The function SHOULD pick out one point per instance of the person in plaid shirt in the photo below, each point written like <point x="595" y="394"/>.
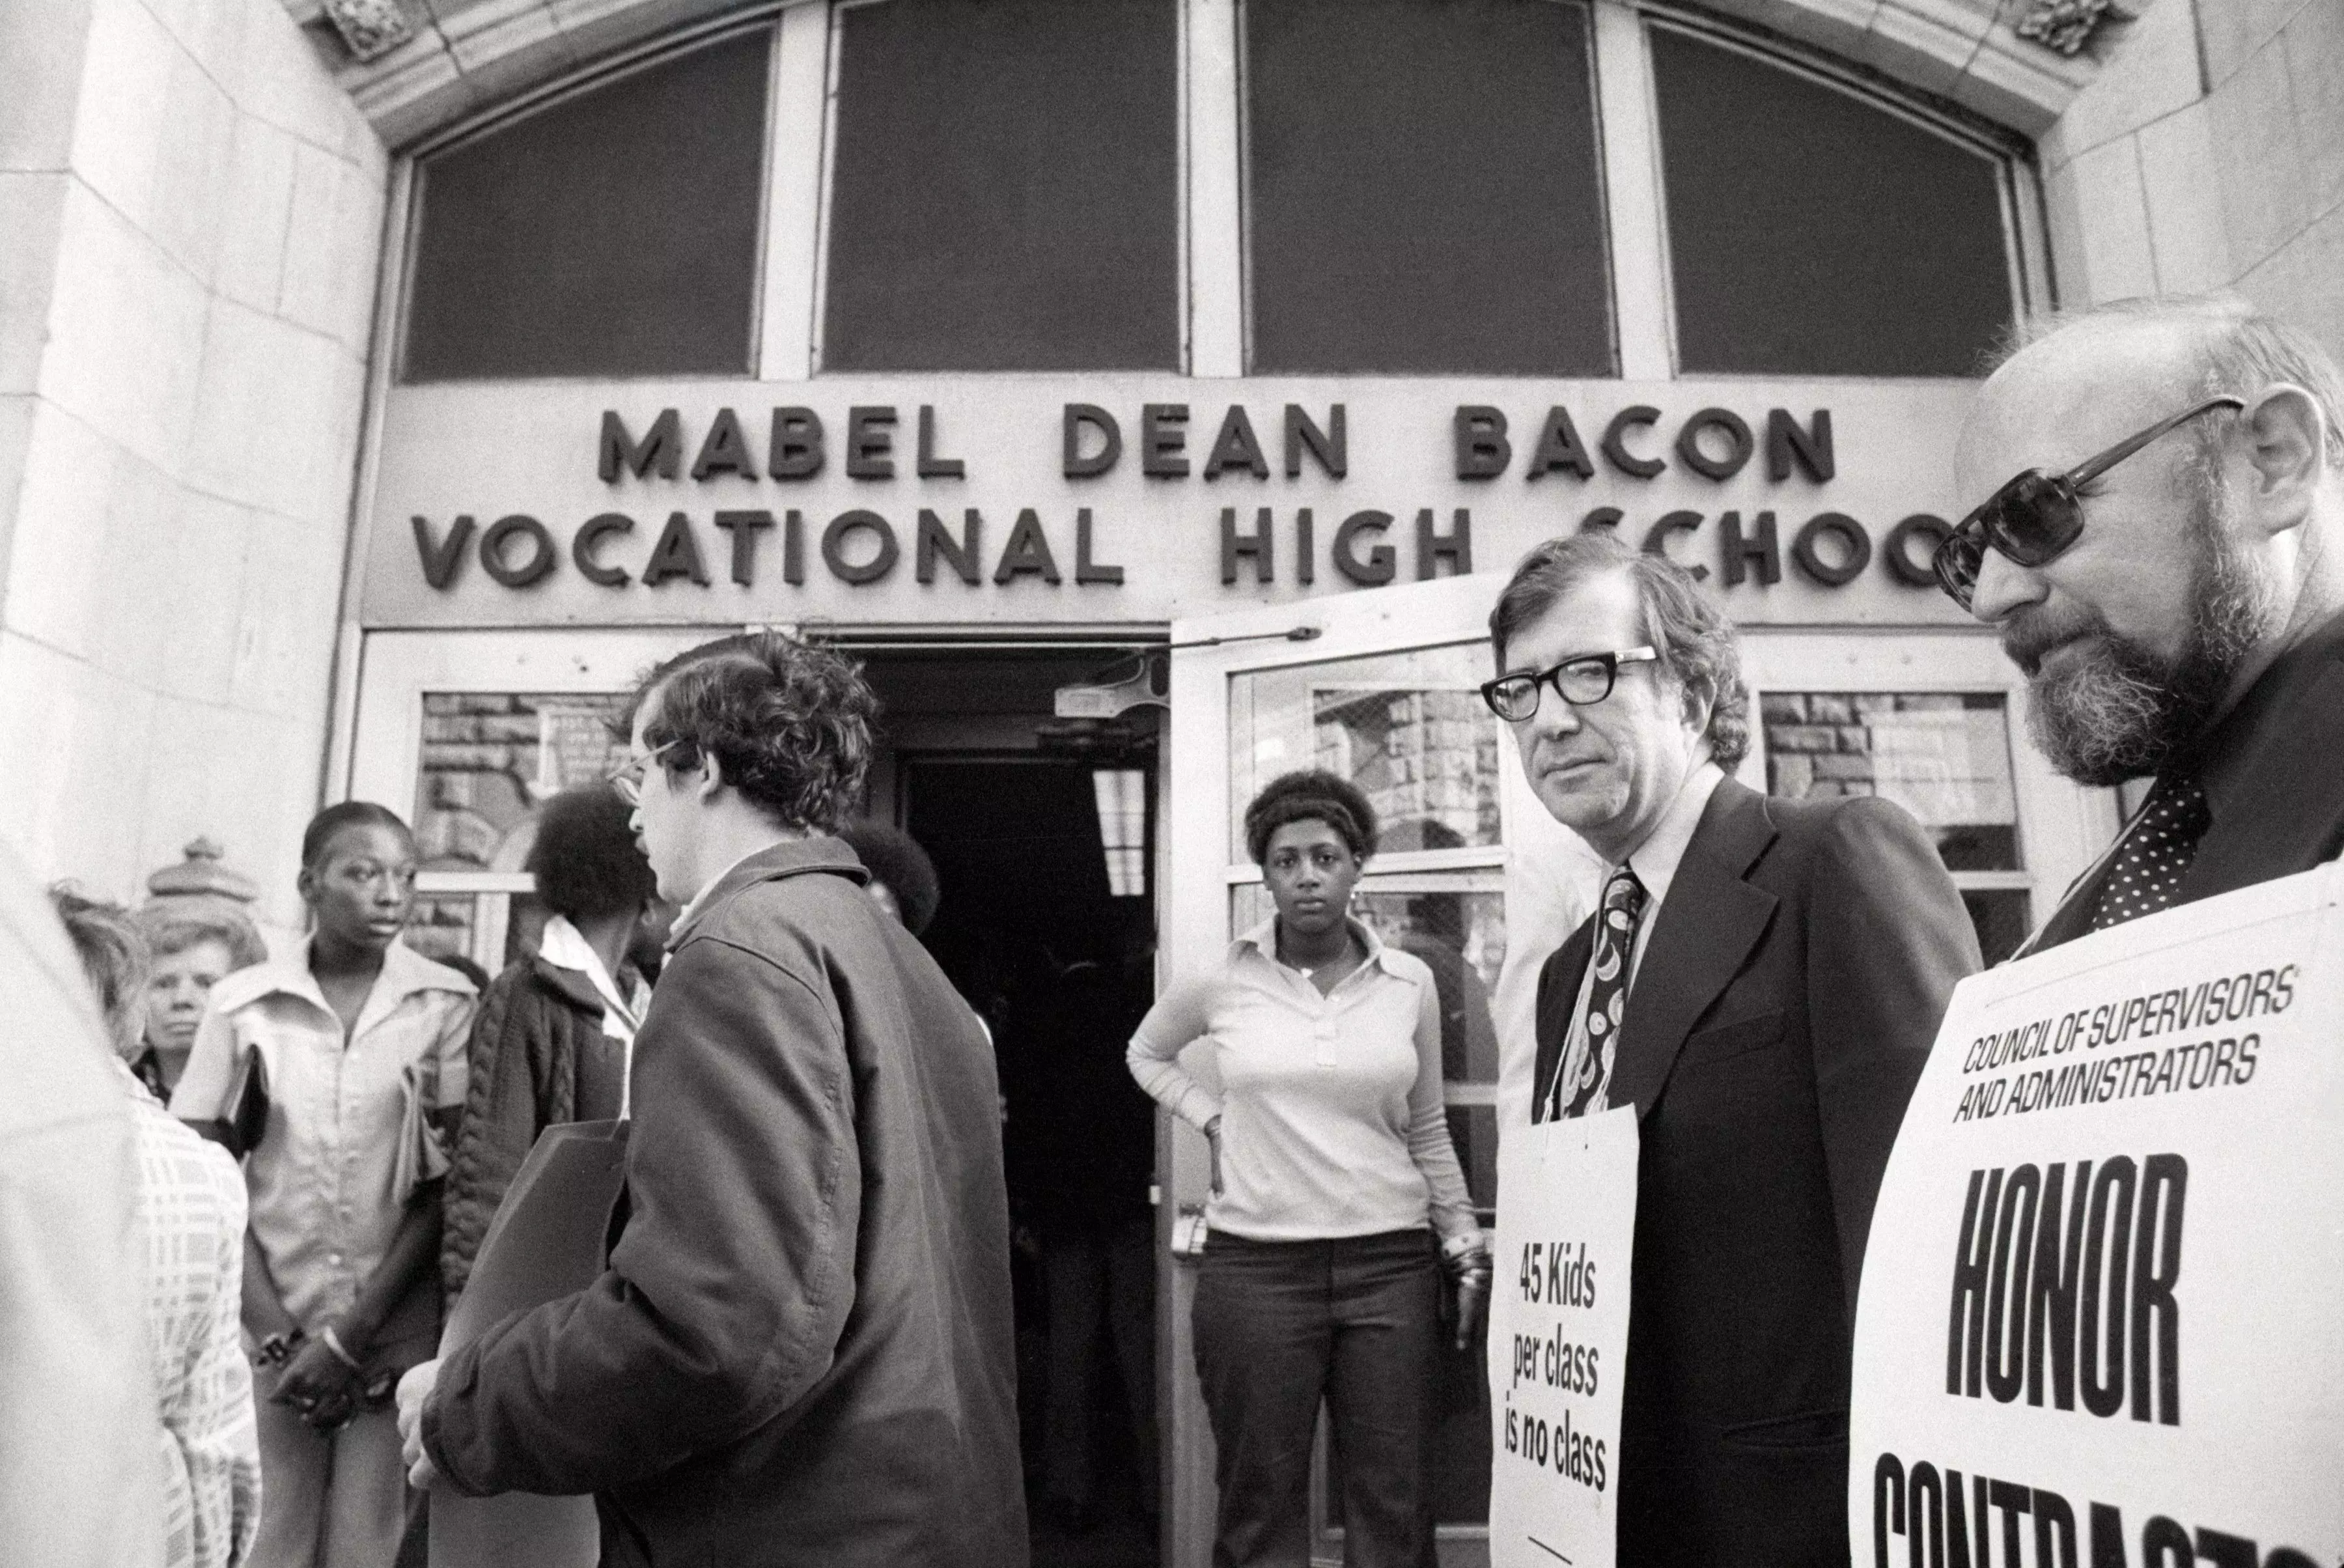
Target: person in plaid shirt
<point x="191" y="1207"/>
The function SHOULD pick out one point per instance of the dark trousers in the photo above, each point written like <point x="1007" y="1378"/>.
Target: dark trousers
<point x="1280" y="1326"/>
<point x="1102" y="1289"/>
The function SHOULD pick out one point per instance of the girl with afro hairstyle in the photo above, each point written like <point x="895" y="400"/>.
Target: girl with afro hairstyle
<point x="555" y="1031"/>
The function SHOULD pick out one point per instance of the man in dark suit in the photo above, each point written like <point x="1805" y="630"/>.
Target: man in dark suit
<point x="1762" y="981"/>
<point x="2165" y="569"/>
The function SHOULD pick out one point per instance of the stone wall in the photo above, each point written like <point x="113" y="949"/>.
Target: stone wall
<point x="190" y="222"/>
<point x="2210" y="152"/>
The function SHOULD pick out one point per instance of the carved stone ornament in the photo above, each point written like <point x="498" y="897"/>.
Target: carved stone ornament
<point x="2065" y="26"/>
<point x="202" y="875"/>
<point x="371" y="28"/>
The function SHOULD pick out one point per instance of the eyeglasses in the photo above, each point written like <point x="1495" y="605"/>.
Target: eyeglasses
<point x="627" y="778"/>
<point x="2035" y="517"/>
<point x="1580" y="682"/>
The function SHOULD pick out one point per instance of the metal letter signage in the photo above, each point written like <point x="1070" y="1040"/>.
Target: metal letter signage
<point x="1130" y="497"/>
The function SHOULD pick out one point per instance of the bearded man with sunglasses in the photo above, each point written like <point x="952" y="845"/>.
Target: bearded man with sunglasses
<point x="1762" y="981"/>
<point x="2158" y="546"/>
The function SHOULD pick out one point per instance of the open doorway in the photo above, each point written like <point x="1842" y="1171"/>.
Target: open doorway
<point x="1039" y="833"/>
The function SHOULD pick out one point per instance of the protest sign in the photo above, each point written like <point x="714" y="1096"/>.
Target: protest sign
<point x="2102" y="1315"/>
<point x="1559" y="1339"/>
<point x="544" y="1242"/>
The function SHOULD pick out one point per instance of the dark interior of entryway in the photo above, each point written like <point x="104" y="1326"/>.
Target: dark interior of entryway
<point x="1050" y="937"/>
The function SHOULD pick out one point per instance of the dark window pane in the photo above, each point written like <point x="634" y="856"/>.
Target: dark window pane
<point x="615" y="233"/>
<point x="1422" y="193"/>
<point x="1811" y="233"/>
<point x="1005" y="192"/>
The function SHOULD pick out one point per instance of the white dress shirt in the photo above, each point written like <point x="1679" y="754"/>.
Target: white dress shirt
<point x="564" y="947"/>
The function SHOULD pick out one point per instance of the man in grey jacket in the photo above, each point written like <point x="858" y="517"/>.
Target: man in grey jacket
<point x="801" y="1349"/>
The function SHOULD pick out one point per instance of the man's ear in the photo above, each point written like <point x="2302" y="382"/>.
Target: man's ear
<point x="2286" y="440"/>
<point x="712" y="777"/>
<point x="1699" y="698"/>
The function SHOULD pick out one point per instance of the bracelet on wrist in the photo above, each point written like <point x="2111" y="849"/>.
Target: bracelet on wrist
<point x="277" y="1348"/>
<point x="333" y="1342"/>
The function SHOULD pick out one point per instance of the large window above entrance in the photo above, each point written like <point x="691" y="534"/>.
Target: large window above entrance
<point x="1556" y="188"/>
<point x="1813" y="233"/>
<point x="612" y="233"/>
<point x="1423" y="188"/>
<point x="1005" y="195"/>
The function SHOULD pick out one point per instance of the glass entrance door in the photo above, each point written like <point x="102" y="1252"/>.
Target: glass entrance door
<point x="1474" y="876"/>
<point x="1379" y="688"/>
<point x="464" y="734"/>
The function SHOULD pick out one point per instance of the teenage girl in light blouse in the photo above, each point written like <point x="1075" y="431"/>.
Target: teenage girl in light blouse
<point x="1337" y="1193"/>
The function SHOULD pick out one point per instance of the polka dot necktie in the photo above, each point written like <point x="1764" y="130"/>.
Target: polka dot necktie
<point x="1586" y="1079"/>
<point x="2147" y="871"/>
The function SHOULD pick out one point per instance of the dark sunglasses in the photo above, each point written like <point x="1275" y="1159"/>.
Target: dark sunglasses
<point x="2034" y="518"/>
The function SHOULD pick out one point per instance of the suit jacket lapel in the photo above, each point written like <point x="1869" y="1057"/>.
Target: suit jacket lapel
<point x="1708" y="925"/>
<point x="2285" y="814"/>
<point x="1558" y="995"/>
<point x="2073" y="912"/>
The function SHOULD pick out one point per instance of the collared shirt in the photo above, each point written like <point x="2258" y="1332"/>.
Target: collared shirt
<point x="1655" y="863"/>
<point x="1332" y="1123"/>
<point x="564" y="947"/>
<point x="349" y="1135"/>
<point x="191" y="1207"/>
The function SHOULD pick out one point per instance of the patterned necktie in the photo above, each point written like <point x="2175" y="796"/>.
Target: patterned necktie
<point x="1585" y="1080"/>
<point x="2147" y="871"/>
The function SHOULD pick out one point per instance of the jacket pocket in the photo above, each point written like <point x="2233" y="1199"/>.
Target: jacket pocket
<point x="1803" y="1429"/>
<point x="1722" y="1041"/>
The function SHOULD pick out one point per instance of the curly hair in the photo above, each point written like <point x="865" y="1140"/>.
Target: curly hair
<point x="896" y="858"/>
<point x="113" y="953"/>
<point x="1313" y="794"/>
<point x="789" y="723"/>
<point x="1696" y="643"/>
<point x="584" y="856"/>
<point x="175" y="924"/>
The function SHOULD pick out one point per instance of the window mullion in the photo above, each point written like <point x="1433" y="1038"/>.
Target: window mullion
<point x="793" y="173"/>
<point x="1216" y="304"/>
<point x="1631" y="180"/>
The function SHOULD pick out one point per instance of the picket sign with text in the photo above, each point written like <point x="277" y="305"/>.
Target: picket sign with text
<point x="2102" y="1317"/>
<point x="1559" y="1339"/>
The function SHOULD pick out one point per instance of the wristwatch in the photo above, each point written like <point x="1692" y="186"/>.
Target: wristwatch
<point x="277" y="1348"/>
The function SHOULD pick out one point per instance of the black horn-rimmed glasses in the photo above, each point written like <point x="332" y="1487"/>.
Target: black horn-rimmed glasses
<point x="1581" y="680"/>
<point x="2037" y="516"/>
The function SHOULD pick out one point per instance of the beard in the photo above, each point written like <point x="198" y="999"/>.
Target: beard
<point x="2115" y="710"/>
